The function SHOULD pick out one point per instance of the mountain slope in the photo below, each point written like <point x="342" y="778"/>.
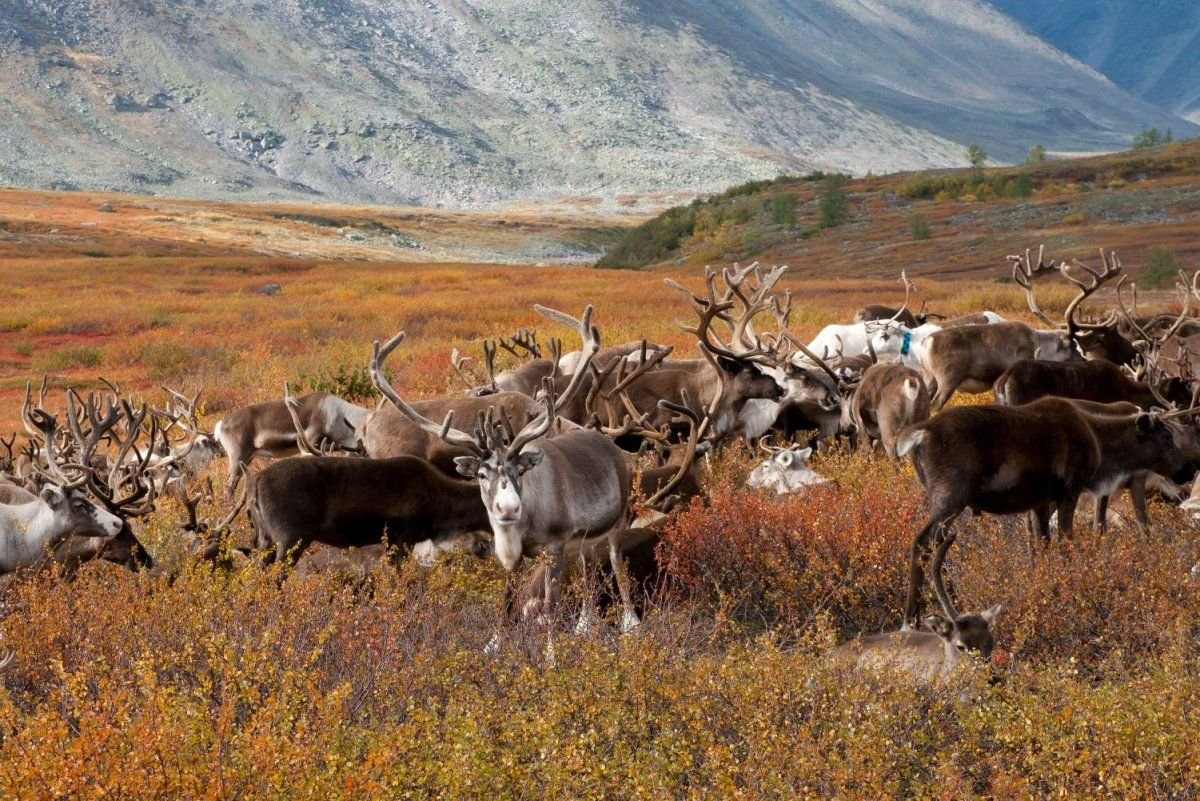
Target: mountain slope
<point x="1150" y="48"/>
<point x="468" y="103"/>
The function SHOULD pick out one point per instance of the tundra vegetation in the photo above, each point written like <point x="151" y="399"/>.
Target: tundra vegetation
<point x="254" y="680"/>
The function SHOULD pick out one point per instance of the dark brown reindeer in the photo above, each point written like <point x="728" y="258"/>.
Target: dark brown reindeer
<point x="1098" y="380"/>
<point x="1034" y="458"/>
<point x="540" y="493"/>
<point x="356" y="502"/>
<point x="1139" y="481"/>
<point x="889" y="398"/>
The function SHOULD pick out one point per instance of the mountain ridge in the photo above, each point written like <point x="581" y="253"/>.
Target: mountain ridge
<point x="472" y="104"/>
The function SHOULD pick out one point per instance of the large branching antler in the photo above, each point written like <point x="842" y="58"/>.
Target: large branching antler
<point x="711" y="308"/>
<point x="1087" y="287"/>
<point x="445" y="430"/>
<point x="754" y="296"/>
<point x="1025" y="272"/>
<point x="128" y="490"/>
<point x="698" y="428"/>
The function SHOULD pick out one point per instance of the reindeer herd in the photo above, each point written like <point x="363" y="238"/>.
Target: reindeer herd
<point x="578" y="457"/>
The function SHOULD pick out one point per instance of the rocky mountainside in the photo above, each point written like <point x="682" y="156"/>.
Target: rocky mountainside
<point x="473" y="102"/>
<point x="1150" y="47"/>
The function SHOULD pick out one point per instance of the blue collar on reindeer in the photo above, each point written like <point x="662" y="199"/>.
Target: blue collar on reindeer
<point x="904" y="346"/>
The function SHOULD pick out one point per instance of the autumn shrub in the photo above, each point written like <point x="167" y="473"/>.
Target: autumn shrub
<point x="68" y="359"/>
<point x="765" y="560"/>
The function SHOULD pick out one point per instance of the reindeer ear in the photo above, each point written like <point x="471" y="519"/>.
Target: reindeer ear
<point x="53" y="496"/>
<point x="729" y="365"/>
<point x="989" y="615"/>
<point x="467" y="466"/>
<point x="527" y="460"/>
<point x="939" y="626"/>
<point x="804" y="454"/>
<point x="785" y="458"/>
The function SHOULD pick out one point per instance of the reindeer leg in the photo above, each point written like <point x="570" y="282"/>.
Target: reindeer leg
<point x="1100" y="512"/>
<point x="917" y="555"/>
<point x="1137" y="494"/>
<point x="554" y="573"/>
<point x="935" y="569"/>
<point x="1040" y="523"/>
<point x="1066" y="517"/>
<point x="588" y="617"/>
<point x="629" y="619"/>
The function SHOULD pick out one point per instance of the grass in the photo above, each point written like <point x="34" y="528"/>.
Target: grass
<point x="223" y="685"/>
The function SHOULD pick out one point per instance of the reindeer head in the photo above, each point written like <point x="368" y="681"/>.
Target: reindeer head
<point x="784" y="470"/>
<point x="966" y="633"/>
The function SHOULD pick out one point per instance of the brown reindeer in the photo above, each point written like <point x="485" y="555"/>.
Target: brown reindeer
<point x="266" y="429"/>
<point x="889" y="397"/>
<point x="1034" y="458"/>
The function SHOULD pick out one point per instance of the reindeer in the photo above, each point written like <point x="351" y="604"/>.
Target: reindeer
<point x="725" y="380"/>
<point x="1033" y="458"/>
<point x="538" y="498"/>
<point x="357" y="502"/>
<point x="31" y="529"/>
<point x="194" y="452"/>
<point x="71" y="553"/>
<point x="889" y="398"/>
<point x="933" y="654"/>
<point x="526" y="379"/>
<point x="1099" y="380"/>
<point x="388" y="432"/>
<point x="1162" y="468"/>
<point x="634" y="351"/>
<point x="125" y="489"/>
<point x="785" y="470"/>
<point x="972" y="358"/>
<point x="265" y="429"/>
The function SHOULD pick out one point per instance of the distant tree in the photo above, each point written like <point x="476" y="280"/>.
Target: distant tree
<point x="783" y="209"/>
<point x="1036" y="155"/>
<point x="1152" y="137"/>
<point x="832" y="200"/>
<point x="918" y="226"/>
<point x="1161" y="267"/>
<point x="977" y="156"/>
<point x="1022" y="186"/>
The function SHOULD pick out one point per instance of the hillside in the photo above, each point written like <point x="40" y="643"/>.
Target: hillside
<point x="822" y="226"/>
<point x="471" y="104"/>
<point x="1151" y="49"/>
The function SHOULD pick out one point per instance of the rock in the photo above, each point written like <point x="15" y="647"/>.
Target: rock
<point x="118" y="102"/>
<point x="268" y="289"/>
<point x="105" y="207"/>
